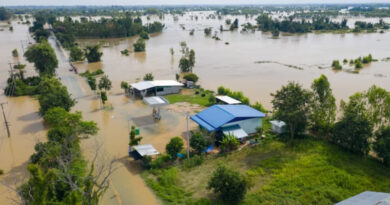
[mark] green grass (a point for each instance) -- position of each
(190, 97)
(311, 172)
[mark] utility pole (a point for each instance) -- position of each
(188, 137)
(5, 120)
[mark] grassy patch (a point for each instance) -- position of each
(311, 172)
(191, 96)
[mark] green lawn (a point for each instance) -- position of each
(189, 97)
(312, 172)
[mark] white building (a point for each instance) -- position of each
(155, 88)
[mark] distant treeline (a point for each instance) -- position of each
(317, 23)
(4, 14)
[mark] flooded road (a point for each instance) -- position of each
(232, 65)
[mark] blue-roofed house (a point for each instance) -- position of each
(238, 120)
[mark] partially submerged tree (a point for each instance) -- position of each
(148, 77)
(291, 104)
(134, 140)
(125, 86)
(43, 57)
(187, 61)
(139, 45)
(76, 54)
(92, 53)
(105, 83)
(15, 53)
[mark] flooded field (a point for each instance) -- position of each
(235, 66)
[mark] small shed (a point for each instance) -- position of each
(224, 99)
(368, 198)
(139, 151)
(155, 88)
(278, 126)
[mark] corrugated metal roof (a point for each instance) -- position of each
(156, 101)
(368, 198)
(150, 84)
(146, 149)
(278, 123)
(215, 116)
(228, 100)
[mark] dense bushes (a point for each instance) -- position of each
(191, 77)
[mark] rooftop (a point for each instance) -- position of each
(143, 85)
(156, 101)
(368, 198)
(146, 150)
(228, 100)
(216, 116)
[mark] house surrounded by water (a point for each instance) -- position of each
(155, 88)
(238, 120)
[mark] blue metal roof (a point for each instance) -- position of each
(216, 116)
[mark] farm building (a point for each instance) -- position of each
(368, 198)
(140, 151)
(155, 88)
(238, 120)
(224, 99)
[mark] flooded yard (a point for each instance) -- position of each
(235, 65)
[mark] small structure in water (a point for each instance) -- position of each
(278, 127)
(155, 88)
(156, 102)
(237, 120)
(140, 151)
(224, 99)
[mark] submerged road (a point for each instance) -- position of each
(126, 184)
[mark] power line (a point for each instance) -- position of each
(5, 119)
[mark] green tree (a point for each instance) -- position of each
(191, 77)
(43, 57)
(4, 14)
(229, 185)
(291, 105)
(15, 53)
(187, 61)
(134, 140)
(139, 45)
(53, 94)
(229, 143)
(148, 77)
(92, 82)
(198, 142)
(382, 144)
(174, 146)
(354, 129)
(144, 35)
(76, 54)
(103, 97)
(125, 86)
(92, 53)
(323, 106)
(207, 31)
(378, 105)
(105, 83)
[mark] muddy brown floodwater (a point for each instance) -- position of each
(232, 65)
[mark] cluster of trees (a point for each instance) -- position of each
(320, 23)
(364, 123)
(4, 14)
(358, 62)
(104, 28)
(238, 95)
(361, 25)
(59, 174)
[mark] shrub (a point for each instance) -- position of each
(336, 65)
(198, 142)
(191, 77)
(228, 184)
(229, 143)
(174, 147)
(207, 31)
(148, 77)
(382, 144)
(15, 53)
(159, 162)
(358, 64)
(192, 162)
(144, 35)
(139, 45)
